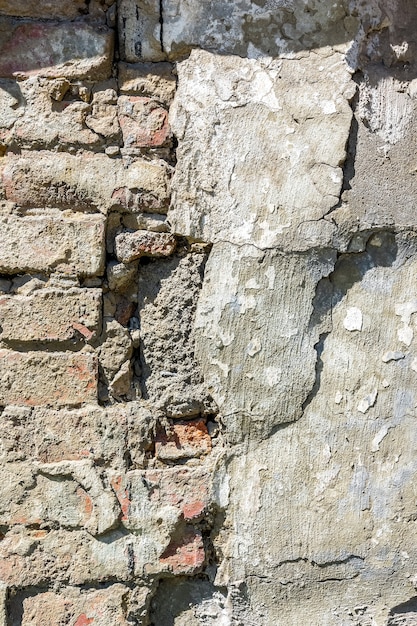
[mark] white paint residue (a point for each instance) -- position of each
(225, 338)
(414, 365)
(392, 356)
(254, 347)
(272, 375)
(368, 401)
(222, 366)
(270, 274)
(379, 437)
(263, 91)
(328, 107)
(325, 478)
(406, 310)
(353, 319)
(405, 335)
(326, 453)
(338, 397)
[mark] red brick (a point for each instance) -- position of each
(186, 555)
(122, 495)
(183, 440)
(50, 315)
(144, 123)
(70, 50)
(132, 246)
(41, 378)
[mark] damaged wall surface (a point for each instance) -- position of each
(208, 303)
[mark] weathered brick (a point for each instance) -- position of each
(143, 122)
(49, 435)
(132, 246)
(70, 50)
(140, 30)
(73, 244)
(40, 557)
(105, 607)
(47, 9)
(41, 378)
(51, 315)
(86, 182)
(35, 114)
(185, 555)
(182, 441)
(69, 494)
(187, 490)
(155, 80)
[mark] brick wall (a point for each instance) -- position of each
(105, 448)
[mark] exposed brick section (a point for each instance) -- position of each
(182, 441)
(106, 607)
(48, 9)
(86, 182)
(40, 378)
(51, 315)
(185, 555)
(186, 489)
(39, 557)
(70, 244)
(143, 122)
(50, 435)
(132, 246)
(155, 80)
(99, 498)
(71, 50)
(29, 495)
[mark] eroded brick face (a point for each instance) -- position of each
(97, 504)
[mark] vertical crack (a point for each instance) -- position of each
(161, 23)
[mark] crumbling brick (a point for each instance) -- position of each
(42, 378)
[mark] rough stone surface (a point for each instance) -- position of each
(50, 315)
(171, 377)
(248, 329)
(73, 244)
(132, 246)
(89, 433)
(40, 378)
(47, 113)
(154, 80)
(86, 182)
(289, 174)
(100, 607)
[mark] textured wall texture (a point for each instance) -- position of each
(208, 301)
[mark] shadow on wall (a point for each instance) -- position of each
(382, 31)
